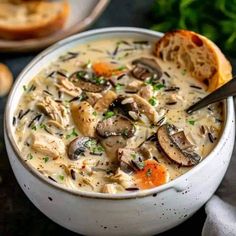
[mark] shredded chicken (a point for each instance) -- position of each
(48, 145)
(64, 85)
(103, 103)
(134, 86)
(146, 108)
(123, 179)
(56, 111)
(84, 118)
(109, 188)
(146, 92)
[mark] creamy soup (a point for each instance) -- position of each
(108, 116)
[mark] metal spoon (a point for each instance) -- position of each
(227, 90)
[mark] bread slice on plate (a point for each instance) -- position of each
(197, 54)
(23, 19)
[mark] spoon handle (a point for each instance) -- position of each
(227, 90)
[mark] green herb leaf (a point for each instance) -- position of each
(133, 155)
(61, 177)
(153, 101)
(149, 173)
(94, 147)
(119, 87)
(72, 134)
(191, 122)
(34, 128)
(30, 156)
(46, 159)
(109, 114)
(157, 87)
(25, 88)
(121, 68)
(42, 126)
(94, 113)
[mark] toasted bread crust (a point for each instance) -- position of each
(194, 52)
(35, 29)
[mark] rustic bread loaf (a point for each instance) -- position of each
(197, 54)
(23, 19)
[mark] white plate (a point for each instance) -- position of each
(82, 14)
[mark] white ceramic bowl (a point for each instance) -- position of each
(138, 213)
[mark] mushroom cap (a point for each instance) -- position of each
(172, 150)
(146, 68)
(80, 145)
(114, 126)
(89, 82)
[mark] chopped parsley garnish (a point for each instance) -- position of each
(25, 88)
(121, 68)
(109, 114)
(80, 74)
(94, 113)
(30, 156)
(119, 87)
(98, 150)
(157, 87)
(149, 173)
(133, 155)
(88, 64)
(34, 128)
(94, 147)
(42, 126)
(191, 122)
(61, 177)
(72, 134)
(140, 164)
(98, 80)
(46, 159)
(153, 101)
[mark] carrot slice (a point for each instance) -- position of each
(153, 174)
(107, 69)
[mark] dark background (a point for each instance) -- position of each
(18, 216)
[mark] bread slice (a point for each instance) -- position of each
(23, 19)
(197, 54)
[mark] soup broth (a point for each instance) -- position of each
(108, 116)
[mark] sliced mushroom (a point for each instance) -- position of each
(126, 106)
(92, 98)
(116, 125)
(112, 144)
(83, 116)
(48, 145)
(79, 146)
(103, 103)
(89, 82)
(146, 68)
(168, 146)
(181, 140)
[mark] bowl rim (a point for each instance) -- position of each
(174, 184)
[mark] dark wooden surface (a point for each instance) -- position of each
(18, 216)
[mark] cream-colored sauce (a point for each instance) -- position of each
(90, 171)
